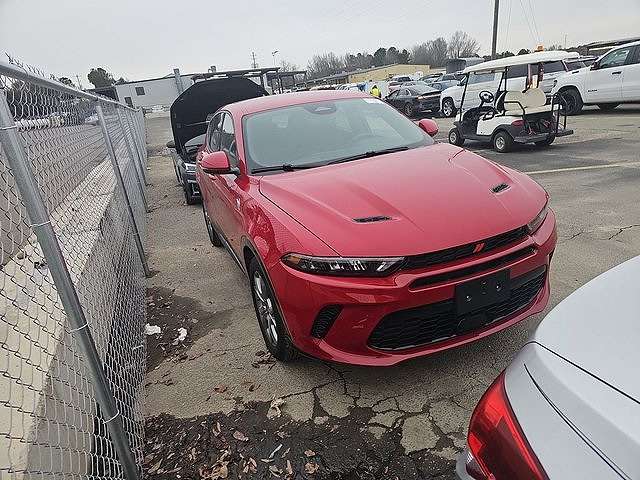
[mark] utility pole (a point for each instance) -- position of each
(494, 43)
(254, 64)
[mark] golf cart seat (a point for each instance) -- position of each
(532, 100)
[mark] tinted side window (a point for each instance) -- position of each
(518, 71)
(228, 139)
(213, 138)
(636, 58)
(552, 67)
(481, 78)
(617, 58)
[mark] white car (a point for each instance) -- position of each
(556, 64)
(613, 79)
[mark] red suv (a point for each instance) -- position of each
(364, 241)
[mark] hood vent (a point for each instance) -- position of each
(499, 188)
(380, 218)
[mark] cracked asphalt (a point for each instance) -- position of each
(217, 406)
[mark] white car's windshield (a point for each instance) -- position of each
(324, 132)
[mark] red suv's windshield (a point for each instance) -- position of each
(322, 132)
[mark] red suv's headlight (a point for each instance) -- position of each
(343, 266)
(537, 222)
(497, 447)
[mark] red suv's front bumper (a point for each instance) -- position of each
(366, 301)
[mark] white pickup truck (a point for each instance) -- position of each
(613, 79)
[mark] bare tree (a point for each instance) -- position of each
(438, 52)
(325, 64)
(462, 45)
(287, 66)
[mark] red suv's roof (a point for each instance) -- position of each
(260, 104)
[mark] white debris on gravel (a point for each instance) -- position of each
(152, 329)
(182, 334)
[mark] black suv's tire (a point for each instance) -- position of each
(455, 138)
(502, 142)
(409, 110)
(573, 101)
(213, 236)
(448, 108)
(607, 106)
(275, 333)
(188, 196)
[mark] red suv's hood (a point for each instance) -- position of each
(438, 196)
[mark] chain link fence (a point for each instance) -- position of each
(72, 280)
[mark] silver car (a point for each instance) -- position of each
(568, 406)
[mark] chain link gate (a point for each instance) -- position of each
(72, 280)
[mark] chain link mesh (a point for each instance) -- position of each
(51, 425)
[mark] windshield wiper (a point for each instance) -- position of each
(285, 167)
(372, 153)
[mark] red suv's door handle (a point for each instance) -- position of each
(616, 73)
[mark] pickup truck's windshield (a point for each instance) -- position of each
(323, 132)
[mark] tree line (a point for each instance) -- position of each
(434, 53)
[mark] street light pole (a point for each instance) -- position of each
(496, 8)
(274, 53)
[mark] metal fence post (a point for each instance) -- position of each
(134, 160)
(116, 168)
(41, 226)
(137, 139)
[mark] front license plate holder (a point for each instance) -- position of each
(483, 292)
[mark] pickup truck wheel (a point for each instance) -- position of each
(502, 142)
(573, 101)
(607, 106)
(213, 236)
(275, 334)
(448, 107)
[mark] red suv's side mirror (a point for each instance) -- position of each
(216, 163)
(429, 126)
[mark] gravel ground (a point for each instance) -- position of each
(210, 398)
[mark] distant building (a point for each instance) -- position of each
(154, 91)
(374, 74)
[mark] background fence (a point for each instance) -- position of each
(72, 280)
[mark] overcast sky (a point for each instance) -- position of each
(146, 38)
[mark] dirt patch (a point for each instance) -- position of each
(172, 313)
(249, 444)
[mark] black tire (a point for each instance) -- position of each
(573, 101)
(607, 106)
(213, 236)
(409, 110)
(188, 195)
(177, 172)
(455, 138)
(275, 334)
(549, 140)
(448, 108)
(502, 142)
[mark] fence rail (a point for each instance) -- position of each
(72, 280)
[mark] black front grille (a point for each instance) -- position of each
(324, 320)
(456, 253)
(437, 321)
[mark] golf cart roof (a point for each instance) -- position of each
(536, 57)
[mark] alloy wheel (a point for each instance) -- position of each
(500, 143)
(265, 305)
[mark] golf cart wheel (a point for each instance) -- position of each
(448, 107)
(502, 142)
(408, 110)
(275, 334)
(607, 106)
(548, 141)
(213, 236)
(455, 138)
(573, 101)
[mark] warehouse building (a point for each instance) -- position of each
(374, 74)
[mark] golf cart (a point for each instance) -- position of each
(512, 114)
